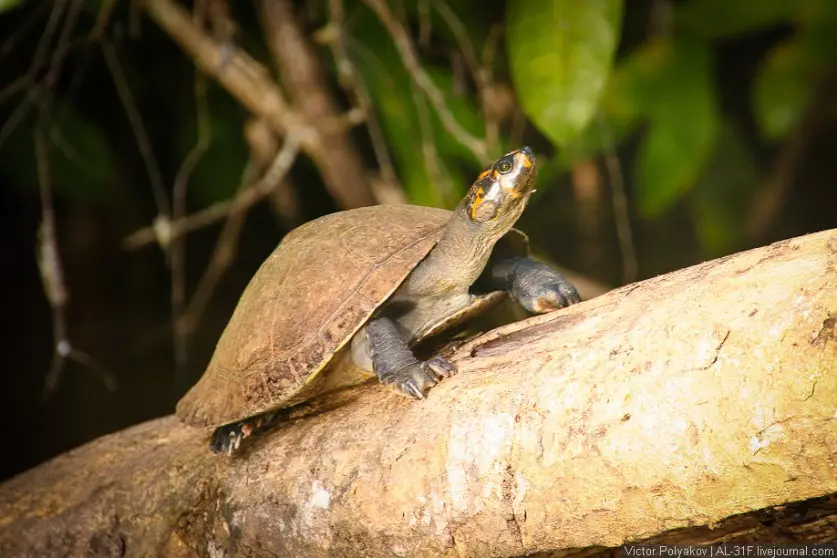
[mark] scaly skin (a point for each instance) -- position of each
(440, 286)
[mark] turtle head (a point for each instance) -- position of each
(499, 195)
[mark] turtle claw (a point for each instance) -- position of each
(416, 379)
(411, 389)
(441, 367)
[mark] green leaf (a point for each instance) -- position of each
(723, 195)
(560, 54)
(623, 104)
(684, 125)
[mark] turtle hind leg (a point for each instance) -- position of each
(227, 438)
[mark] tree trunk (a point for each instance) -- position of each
(657, 411)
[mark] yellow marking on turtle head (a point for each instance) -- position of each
(479, 195)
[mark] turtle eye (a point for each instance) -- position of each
(504, 166)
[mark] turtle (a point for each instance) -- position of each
(348, 296)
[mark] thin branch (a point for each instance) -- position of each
(220, 210)
(264, 145)
(428, 148)
(481, 75)
(102, 19)
(621, 215)
(324, 138)
(178, 244)
(410, 60)
(38, 61)
(340, 165)
(138, 128)
(246, 79)
(425, 25)
(22, 29)
(52, 277)
(222, 256)
(354, 85)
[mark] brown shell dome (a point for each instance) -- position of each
(306, 301)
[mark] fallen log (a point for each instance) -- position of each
(691, 407)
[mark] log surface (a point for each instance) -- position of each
(670, 404)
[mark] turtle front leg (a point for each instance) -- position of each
(534, 285)
(384, 347)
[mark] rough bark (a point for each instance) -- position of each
(678, 408)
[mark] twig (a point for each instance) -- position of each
(52, 277)
(102, 18)
(481, 75)
(621, 215)
(246, 79)
(264, 145)
(178, 244)
(38, 60)
(422, 80)
(222, 257)
(385, 194)
(324, 139)
(340, 165)
(22, 29)
(220, 210)
(425, 23)
(428, 148)
(354, 85)
(138, 128)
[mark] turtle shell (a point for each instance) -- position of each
(306, 301)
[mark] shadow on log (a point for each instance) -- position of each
(688, 407)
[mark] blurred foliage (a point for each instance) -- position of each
(724, 191)
(560, 62)
(557, 59)
(426, 156)
(560, 55)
